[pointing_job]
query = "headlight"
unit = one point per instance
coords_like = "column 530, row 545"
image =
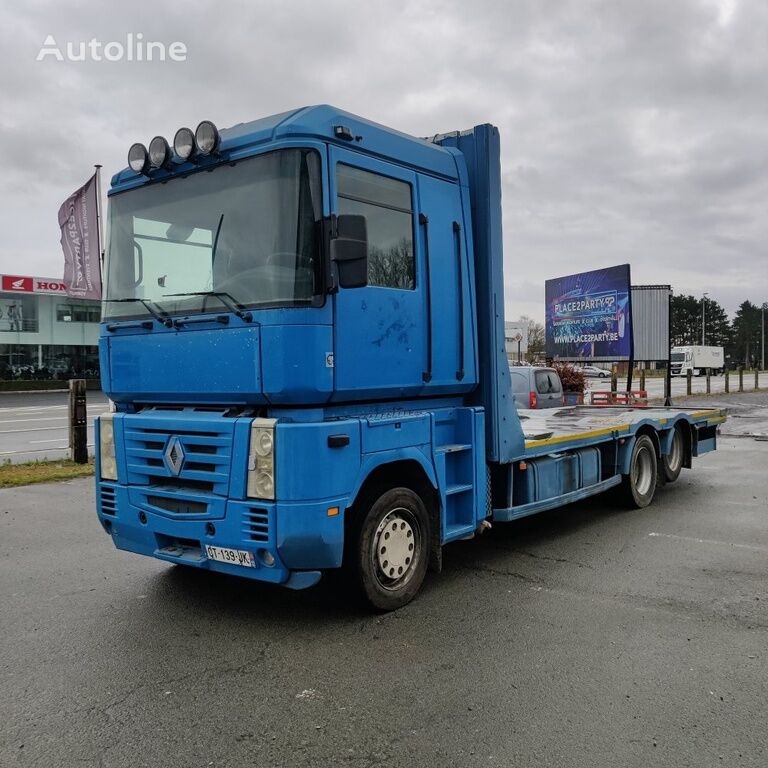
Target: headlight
column 184, row 143
column 107, row 447
column 159, row 152
column 261, row 460
column 207, row 138
column 138, row 159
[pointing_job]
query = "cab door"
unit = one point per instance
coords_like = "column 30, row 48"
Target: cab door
column 379, row 330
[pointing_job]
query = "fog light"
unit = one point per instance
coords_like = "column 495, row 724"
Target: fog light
column 159, row 152
column 267, row 557
column 138, row 159
column 207, row 138
column 184, row 143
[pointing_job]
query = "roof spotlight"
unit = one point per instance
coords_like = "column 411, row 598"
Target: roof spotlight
column 159, row 152
column 184, row 143
column 207, row 138
column 138, row 159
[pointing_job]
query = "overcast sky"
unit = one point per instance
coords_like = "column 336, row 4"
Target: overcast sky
column 631, row 131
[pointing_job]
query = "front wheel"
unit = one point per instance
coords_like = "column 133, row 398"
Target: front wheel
column 392, row 552
column 639, row 486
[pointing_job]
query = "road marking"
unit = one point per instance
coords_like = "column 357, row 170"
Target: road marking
column 39, row 450
column 40, row 408
column 26, row 421
column 31, row 429
column 709, row 541
column 36, row 429
column 45, row 418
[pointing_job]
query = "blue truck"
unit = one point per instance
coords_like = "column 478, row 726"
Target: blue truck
column 303, row 338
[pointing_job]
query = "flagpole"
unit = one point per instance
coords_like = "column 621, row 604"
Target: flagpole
column 99, row 225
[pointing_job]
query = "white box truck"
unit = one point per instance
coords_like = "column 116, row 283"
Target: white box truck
column 698, row 360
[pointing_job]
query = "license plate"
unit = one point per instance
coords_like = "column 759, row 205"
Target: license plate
column 231, row 556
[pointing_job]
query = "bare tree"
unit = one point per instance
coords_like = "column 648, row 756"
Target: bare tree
column 536, row 339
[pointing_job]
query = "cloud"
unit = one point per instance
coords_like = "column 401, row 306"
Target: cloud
column 630, row 131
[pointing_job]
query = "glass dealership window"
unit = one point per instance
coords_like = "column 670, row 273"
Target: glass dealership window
column 387, row 206
column 78, row 313
column 18, row 313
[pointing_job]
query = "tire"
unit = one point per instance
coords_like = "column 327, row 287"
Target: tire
column 672, row 463
column 639, row 486
column 600, row 375
column 390, row 551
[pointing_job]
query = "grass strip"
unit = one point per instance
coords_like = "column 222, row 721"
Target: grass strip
column 12, row 475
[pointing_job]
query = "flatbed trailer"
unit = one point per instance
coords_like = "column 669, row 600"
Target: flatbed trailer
column 303, row 337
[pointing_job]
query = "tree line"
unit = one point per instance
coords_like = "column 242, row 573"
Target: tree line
column 741, row 337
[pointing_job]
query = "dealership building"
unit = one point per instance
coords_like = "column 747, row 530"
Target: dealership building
column 41, row 327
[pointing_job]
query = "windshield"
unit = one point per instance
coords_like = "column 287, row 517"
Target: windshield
column 248, row 231
column 677, row 357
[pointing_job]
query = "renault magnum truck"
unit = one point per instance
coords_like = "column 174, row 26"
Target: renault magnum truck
column 303, row 337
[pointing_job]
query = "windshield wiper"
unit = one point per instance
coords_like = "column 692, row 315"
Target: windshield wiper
column 227, row 299
column 161, row 316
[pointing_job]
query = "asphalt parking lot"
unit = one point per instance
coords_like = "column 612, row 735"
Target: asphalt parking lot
column 587, row 636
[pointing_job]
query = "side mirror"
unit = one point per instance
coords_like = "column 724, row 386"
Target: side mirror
column 349, row 251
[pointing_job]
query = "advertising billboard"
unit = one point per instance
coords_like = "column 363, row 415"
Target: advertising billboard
column 588, row 316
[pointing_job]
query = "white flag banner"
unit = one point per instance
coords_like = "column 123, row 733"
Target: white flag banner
column 79, row 226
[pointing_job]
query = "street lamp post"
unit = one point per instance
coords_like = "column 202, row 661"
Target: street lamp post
column 703, row 315
column 762, row 323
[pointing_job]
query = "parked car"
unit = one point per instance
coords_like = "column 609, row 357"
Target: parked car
column 593, row 372
column 536, row 387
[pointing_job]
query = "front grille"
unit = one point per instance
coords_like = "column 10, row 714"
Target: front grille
column 256, row 524
column 178, row 506
column 108, row 500
column 207, row 453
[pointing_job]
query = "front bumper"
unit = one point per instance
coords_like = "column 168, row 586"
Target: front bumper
column 302, row 537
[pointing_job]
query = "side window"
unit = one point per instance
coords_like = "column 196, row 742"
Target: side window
column 387, row 207
column 519, row 382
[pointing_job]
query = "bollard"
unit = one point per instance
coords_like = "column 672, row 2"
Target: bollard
column 757, row 383
column 741, row 378
column 78, row 421
column 688, row 381
column 708, row 381
column 727, row 385
column 642, row 378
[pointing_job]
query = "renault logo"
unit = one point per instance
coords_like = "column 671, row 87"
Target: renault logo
column 174, row 456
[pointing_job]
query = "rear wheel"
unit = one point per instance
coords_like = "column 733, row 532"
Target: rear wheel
column 672, row 463
column 392, row 550
column 639, row 486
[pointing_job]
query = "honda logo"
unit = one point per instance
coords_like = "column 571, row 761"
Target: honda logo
column 174, row 456
column 16, row 283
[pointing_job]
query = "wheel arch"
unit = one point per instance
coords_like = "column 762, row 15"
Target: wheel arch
column 401, row 469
